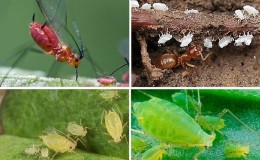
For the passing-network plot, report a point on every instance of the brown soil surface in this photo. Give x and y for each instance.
(231, 66)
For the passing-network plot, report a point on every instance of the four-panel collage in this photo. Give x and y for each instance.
(129, 80)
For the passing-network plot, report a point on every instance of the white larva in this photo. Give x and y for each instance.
(239, 14)
(223, 42)
(164, 38)
(207, 43)
(246, 38)
(185, 41)
(160, 6)
(146, 6)
(134, 4)
(251, 10)
(187, 11)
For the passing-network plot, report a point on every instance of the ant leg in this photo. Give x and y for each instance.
(193, 66)
(202, 57)
(228, 111)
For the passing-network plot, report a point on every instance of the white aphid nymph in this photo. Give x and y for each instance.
(207, 43)
(246, 38)
(185, 41)
(134, 4)
(146, 6)
(239, 14)
(160, 6)
(187, 11)
(164, 38)
(251, 10)
(223, 42)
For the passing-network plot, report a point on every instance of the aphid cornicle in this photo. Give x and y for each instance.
(76, 129)
(171, 124)
(114, 125)
(58, 143)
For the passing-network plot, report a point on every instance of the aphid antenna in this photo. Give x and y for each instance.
(14, 64)
(241, 122)
(148, 95)
(118, 69)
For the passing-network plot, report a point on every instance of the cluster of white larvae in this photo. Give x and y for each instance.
(156, 6)
(246, 38)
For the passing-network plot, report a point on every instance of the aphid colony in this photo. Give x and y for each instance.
(155, 6)
(172, 127)
(59, 142)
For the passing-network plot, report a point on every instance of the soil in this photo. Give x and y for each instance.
(231, 66)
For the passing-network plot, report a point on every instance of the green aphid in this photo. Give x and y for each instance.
(169, 123)
(211, 123)
(235, 150)
(155, 153)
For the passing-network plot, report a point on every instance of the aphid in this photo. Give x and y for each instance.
(137, 143)
(76, 129)
(114, 125)
(207, 43)
(239, 14)
(171, 124)
(146, 6)
(156, 152)
(185, 41)
(58, 143)
(160, 6)
(235, 150)
(134, 4)
(32, 150)
(44, 152)
(107, 81)
(168, 61)
(189, 11)
(246, 38)
(224, 41)
(251, 10)
(164, 38)
(109, 95)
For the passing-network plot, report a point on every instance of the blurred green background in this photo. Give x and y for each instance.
(103, 26)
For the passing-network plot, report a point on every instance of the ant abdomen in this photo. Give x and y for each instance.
(167, 61)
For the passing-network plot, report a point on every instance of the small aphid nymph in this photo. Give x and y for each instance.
(44, 152)
(251, 10)
(189, 11)
(146, 6)
(134, 4)
(234, 150)
(114, 125)
(76, 129)
(109, 95)
(207, 43)
(164, 38)
(239, 14)
(32, 150)
(246, 38)
(185, 41)
(223, 42)
(160, 6)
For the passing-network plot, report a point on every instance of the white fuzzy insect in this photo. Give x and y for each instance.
(32, 150)
(185, 41)
(223, 42)
(160, 6)
(146, 6)
(207, 43)
(246, 38)
(187, 11)
(251, 10)
(134, 4)
(239, 14)
(164, 38)
(44, 152)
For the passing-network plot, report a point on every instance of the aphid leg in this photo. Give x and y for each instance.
(54, 155)
(202, 149)
(235, 117)
(120, 113)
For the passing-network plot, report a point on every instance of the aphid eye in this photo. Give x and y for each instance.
(76, 59)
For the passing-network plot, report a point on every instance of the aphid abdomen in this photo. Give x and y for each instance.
(170, 123)
(236, 150)
(211, 123)
(45, 37)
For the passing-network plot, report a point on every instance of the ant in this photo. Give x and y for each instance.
(172, 60)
